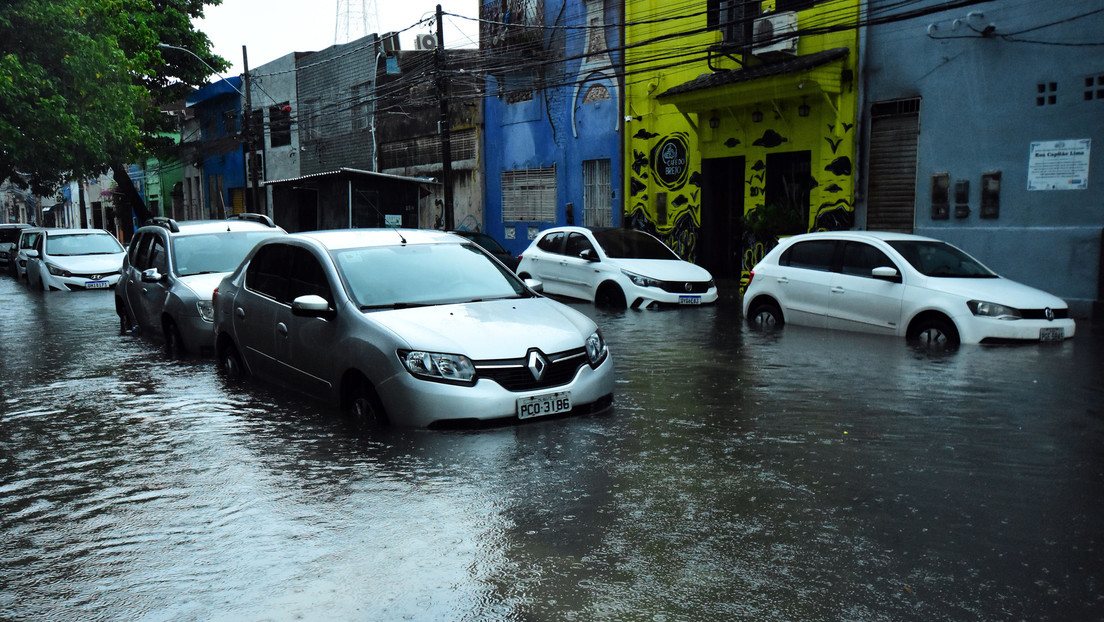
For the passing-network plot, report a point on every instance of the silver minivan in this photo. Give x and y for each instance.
(407, 327)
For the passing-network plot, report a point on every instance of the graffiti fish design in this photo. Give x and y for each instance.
(640, 162)
(644, 134)
(636, 186)
(732, 142)
(833, 143)
(833, 188)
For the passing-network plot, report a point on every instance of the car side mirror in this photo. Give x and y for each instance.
(312, 306)
(588, 254)
(32, 253)
(151, 276)
(535, 285)
(885, 273)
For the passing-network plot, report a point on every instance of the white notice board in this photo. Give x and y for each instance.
(1059, 165)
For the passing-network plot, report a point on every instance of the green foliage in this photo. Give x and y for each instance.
(82, 82)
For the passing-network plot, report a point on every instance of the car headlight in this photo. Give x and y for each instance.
(595, 347)
(992, 309)
(56, 271)
(438, 366)
(206, 310)
(641, 280)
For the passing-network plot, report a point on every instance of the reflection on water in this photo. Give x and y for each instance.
(802, 474)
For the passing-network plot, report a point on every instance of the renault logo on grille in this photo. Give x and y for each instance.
(537, 365)
(1049, 313)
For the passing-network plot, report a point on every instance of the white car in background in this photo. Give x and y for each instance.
(74, 259)
(17, 265)
(897, 284)
(614, 267)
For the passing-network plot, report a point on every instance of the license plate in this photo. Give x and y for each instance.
(541, 405)
(96, 284)
(689, 300)
(1051, 334)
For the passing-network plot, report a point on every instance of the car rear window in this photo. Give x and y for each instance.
(812, 255)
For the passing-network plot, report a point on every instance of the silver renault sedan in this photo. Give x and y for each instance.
(408, 327)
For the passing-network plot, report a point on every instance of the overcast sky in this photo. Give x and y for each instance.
(272, 28)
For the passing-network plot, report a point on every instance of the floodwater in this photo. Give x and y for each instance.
(799, 475)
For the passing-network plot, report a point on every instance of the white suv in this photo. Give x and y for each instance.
(897, 284)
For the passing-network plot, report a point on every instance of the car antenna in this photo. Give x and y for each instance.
(399, 233)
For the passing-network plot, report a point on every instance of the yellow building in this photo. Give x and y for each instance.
(740, 123)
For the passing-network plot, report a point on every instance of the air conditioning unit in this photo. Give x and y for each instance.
(425, 42)
(769, 35)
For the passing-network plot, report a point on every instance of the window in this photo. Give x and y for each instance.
(597, 207)
(814, 255)
(1094, 87)
(576, 244)
(733, 18)
(265, 274)
(860, 259)
(552, 243)
(1046, 94)
(361, 107)
(529, 194)
(158, 256)
(306, 276)
(279, 120)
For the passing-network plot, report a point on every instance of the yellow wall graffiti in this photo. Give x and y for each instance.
(789, 116)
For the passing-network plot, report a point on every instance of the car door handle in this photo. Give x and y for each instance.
(783, 280)
(239, 313)
(281, 329)
(838, 290)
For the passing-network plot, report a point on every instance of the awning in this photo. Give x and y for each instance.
(353, 172)
(718, 88)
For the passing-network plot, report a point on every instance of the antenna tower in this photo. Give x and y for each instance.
(355, 19)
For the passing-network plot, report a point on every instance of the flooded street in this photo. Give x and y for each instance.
(799, 475)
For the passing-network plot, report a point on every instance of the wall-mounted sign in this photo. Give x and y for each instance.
(392, 220)
(1058, 165)
(670, 162)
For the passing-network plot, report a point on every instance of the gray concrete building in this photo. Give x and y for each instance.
(978, 125)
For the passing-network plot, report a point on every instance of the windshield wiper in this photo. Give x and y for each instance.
(395, 305)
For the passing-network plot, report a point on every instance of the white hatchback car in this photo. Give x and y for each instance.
(897, 284)
(408, 327)
(75, 259)
(614, 267)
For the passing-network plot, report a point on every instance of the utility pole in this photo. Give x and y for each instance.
(443, 123)
(252, 162)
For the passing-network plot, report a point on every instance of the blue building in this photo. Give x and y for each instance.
(212, 151)
(551, 150)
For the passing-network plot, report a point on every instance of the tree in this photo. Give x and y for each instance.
(82, 83)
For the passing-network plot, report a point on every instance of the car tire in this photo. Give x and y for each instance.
(610, 296)
(765, 315)
(174, 344)
(230, 362)
(125, 323)
(934, 332)
(361, 403)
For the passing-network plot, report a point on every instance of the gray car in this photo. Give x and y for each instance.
(170, 270)
(9, 242)
(407, 327)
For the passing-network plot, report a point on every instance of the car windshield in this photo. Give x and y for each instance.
(213, 252)
(82, 244)
(631, 244)
(938, 259)
(423, 274)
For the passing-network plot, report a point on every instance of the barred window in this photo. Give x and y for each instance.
(529, 195)
(597, 207)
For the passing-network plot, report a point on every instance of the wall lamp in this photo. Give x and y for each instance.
(714, 122)
(803, 109)
(757, 116)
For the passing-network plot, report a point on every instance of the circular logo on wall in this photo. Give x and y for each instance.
(670, 162)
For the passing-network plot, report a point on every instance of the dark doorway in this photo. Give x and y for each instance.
(788, 182)
(722, 214)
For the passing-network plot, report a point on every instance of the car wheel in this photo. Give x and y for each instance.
(934, 332)
(174, 345)
(765, 315)
(230, 362)
(609, 295)
(362, 404)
